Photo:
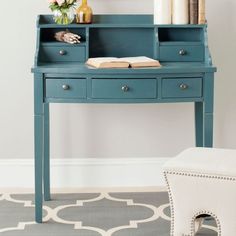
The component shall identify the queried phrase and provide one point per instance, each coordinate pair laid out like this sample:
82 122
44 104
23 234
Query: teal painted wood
181 43
198 112
179 34
62 53
38 144
66 88
121 42
116 75
38 94
124 88
123 101
209 92
189 53
38 149
208 110
121 36
208 130
118 20
82 69
182 87
46 160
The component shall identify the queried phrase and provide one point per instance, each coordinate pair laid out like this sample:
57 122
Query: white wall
80 131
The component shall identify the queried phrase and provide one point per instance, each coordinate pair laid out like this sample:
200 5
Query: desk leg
46 160
38 149
198 124
208 109
38 145
208 130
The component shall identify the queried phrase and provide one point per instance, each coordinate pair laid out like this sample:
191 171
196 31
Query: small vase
64 17
84 13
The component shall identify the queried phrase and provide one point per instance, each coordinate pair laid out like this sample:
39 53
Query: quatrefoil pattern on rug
91 214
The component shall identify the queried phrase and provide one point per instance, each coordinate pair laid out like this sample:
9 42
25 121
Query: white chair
202 181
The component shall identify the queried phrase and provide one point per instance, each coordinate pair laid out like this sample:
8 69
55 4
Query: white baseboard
86 172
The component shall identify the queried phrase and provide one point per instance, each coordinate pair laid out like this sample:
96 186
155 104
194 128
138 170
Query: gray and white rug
91 214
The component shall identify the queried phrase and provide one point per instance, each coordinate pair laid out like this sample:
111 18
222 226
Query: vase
84 13
64 16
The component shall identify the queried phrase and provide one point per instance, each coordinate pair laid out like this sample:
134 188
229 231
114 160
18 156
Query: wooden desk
60 75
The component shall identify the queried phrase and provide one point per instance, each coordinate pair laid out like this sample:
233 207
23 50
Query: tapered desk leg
46 160
208 109
198 124
208 130
38 143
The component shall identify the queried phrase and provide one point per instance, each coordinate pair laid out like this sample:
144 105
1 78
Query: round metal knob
183 86
182 52
62 52
125 88
65 86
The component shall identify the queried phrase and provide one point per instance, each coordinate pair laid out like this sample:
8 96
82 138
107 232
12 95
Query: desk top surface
81 68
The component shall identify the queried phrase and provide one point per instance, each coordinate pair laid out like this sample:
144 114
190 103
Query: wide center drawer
124 88
63 53
182 88
65 88
182 53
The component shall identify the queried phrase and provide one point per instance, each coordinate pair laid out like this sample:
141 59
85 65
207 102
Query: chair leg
181 222
227 226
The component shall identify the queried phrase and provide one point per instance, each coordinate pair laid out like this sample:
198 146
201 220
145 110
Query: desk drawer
182 88
124 88
63 53
66 88
183 53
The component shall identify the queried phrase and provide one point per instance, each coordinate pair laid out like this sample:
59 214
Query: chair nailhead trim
201 175
200 212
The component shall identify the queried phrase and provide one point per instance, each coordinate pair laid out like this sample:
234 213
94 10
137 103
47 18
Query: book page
141 61
99 60
136 59
107 62
124 62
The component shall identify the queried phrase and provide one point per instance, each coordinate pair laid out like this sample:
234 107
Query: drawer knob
125 88
65 86
62 52
183 86
182 52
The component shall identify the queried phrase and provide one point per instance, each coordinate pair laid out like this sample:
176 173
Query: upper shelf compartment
179 35
48 34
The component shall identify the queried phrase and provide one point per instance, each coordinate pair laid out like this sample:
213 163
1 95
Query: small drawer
65 88
63 53
182 88
124 88
183 53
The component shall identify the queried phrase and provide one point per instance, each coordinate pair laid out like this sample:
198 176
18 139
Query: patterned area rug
91 214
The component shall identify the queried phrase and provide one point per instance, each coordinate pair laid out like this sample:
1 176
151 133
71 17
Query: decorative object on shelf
201 12
180 12
84 13
193 11
63 11
162 12
67 37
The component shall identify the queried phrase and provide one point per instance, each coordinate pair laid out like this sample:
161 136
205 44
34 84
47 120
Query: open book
124 62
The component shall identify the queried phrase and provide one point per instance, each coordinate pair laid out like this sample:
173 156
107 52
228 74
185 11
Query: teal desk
60 75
